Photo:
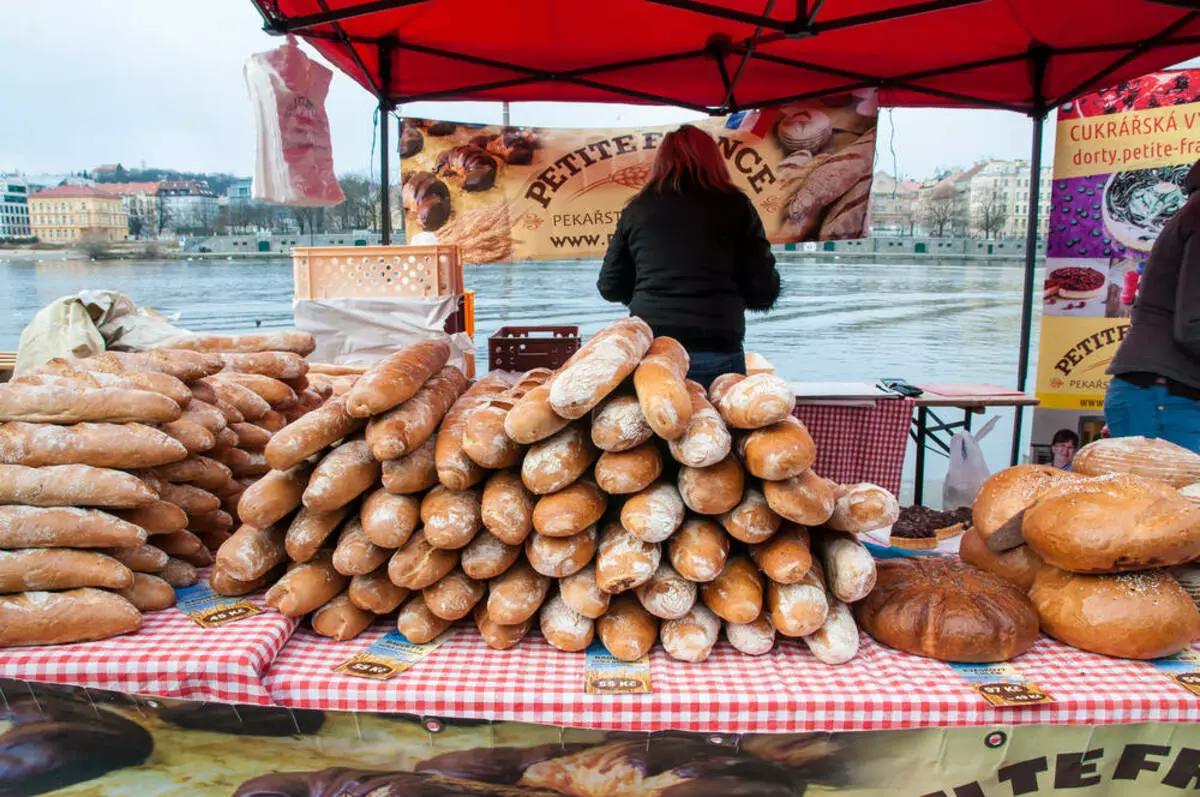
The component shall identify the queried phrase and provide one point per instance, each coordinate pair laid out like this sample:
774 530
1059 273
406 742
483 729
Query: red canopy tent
716 56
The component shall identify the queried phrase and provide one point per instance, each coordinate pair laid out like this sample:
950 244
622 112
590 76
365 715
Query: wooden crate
329 272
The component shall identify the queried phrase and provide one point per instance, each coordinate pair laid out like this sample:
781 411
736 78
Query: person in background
1155 389
690 256
1063 445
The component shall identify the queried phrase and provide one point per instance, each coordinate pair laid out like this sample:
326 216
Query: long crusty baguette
276 364
250 435
184 365
52 404
158 517
66 372
309 530
251 552
531 419
484 438
65 527
203 472
192 436
308 435
274 496
706 440
72 485
403 429
290 340
396 378
251 405
149 593
412 473
661 390
204 414
203 390
101 445
599 367
306 587
140 558
58 618
341 620
455 469
191 500
60 568
277 394
342 475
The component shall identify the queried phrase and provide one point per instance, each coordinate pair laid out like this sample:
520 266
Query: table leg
967 413
919 481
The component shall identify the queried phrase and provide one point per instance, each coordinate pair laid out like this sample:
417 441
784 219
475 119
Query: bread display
396 378
659 382
1159 460
599 367
1003 498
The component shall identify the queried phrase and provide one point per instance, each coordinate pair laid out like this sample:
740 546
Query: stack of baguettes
114 469
553 500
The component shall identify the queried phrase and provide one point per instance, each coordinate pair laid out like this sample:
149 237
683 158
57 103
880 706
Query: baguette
241 462
317 430
72 485
203 390
849 566
559 557
691 637
699 550
736 595
355 554
250 435
558 461
417 623
203 472
65 527
183 365
252 552
706 440
667 595
274 496
180 543
224 584
863 507
149 593
276 393
309 530
216 522
565 628
487 557
301 343
343 474
192 436
806 499
396 378
628 472
204 414
569 511
661 390
836 642
627 630
340 619
455 469
654 514
779 451
251 405
156 518
623 561
516 596
389 520
484 438
451 518
413 473
531 419
306 586
99 445
507 507
714 490
599 367
581 592
454 595
418 564
276 364
751 521
140 558
31 569
192 500
273 421
375 592
496 636
752 402
619 425
197 559
163 384
51 404
786 558
755 638
800 609
58 618
403 429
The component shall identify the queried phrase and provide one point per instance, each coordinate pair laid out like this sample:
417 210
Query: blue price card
389 656
208 609
1001 684
605 674
1182 668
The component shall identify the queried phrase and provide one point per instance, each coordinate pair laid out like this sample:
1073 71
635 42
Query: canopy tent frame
805 22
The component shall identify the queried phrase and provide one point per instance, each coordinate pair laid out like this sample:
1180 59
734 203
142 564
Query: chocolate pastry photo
428 197
495 764
473 164
241 720
435 128
411 140
342 782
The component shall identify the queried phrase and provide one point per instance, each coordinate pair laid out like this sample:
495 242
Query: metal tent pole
1031 253
385 112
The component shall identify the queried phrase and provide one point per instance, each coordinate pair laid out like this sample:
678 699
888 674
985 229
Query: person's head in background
1064 445
688 159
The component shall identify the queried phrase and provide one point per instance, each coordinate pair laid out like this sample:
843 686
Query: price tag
209 610
1182 668
605 674
1001 684
389 656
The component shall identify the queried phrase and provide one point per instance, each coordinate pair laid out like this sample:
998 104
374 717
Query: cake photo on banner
553 194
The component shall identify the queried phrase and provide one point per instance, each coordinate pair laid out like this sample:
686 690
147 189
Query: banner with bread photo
553 194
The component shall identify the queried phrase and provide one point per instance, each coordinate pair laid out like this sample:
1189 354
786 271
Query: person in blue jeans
1155 389
690 257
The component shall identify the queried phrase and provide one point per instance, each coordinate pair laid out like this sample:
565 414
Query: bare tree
940 212
990 215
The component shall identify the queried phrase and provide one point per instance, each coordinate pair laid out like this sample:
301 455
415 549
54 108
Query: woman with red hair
690 256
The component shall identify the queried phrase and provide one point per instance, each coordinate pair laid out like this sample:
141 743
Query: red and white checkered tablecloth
786 691
170 656
860 444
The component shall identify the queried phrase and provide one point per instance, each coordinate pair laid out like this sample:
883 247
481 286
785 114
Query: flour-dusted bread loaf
59 618
250 435
191 500
72 485
276 364
100 445
1003 498
565 628
599 367
315 431
736 595
623 561
531 419
628 472
192 436
496 636
752 402
251 405
277 394
698 550
203 472
412 473
779 451
340 619
807 499
569 511
849 567
396 378
517 595
55 404
799 609
179 573
404 429
667 595
77 372
156 518
355 554
205 393
713 490
1019 565
389 520
140 558
752 520
187 366
507 507
207 415
307 586
655 513
452 518
243 463
706 440
755 638
65 527
252 552
659 382
837 640
558 557
309 530
417 564
627 629
1149 458
786 558
455 469
342 475
619 425
487 557
484 438
179 543
30 569
454 595
149 593
863 507
375 592
583 594
274 496
692 637
418 624
558 461
289 340
224 584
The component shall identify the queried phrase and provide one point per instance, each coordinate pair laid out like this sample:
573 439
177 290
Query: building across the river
14 206
71 213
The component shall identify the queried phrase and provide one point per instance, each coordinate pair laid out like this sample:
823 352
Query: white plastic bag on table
967 470
294 160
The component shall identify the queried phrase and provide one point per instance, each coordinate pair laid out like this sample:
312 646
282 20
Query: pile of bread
1098 549
120 473
610 497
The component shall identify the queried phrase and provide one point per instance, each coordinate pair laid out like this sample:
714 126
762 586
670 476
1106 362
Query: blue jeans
708 365
1133 411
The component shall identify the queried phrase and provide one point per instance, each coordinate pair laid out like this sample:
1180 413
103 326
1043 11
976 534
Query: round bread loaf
698 550
863 507
488 556
754 638
779 451
1113 524
667 594
627 472
1003 498
558 557
623 561
691 637
752 402
1149 458
619 425
559 461
713 490
1144 615
569 511
752 520
499 637
653 514
806 499
1019 565
516 596
565 628
944 609
799 609
453 595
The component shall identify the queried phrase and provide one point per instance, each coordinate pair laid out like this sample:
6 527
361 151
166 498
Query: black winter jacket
690 264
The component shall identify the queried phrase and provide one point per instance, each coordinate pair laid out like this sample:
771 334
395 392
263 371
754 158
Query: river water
836 321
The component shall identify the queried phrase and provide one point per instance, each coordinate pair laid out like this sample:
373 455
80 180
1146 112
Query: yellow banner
1128 141
555 194
1073 355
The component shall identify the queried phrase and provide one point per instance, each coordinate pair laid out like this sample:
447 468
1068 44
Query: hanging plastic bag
293 164
968 469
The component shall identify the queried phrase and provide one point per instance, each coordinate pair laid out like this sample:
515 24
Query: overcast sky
87 82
